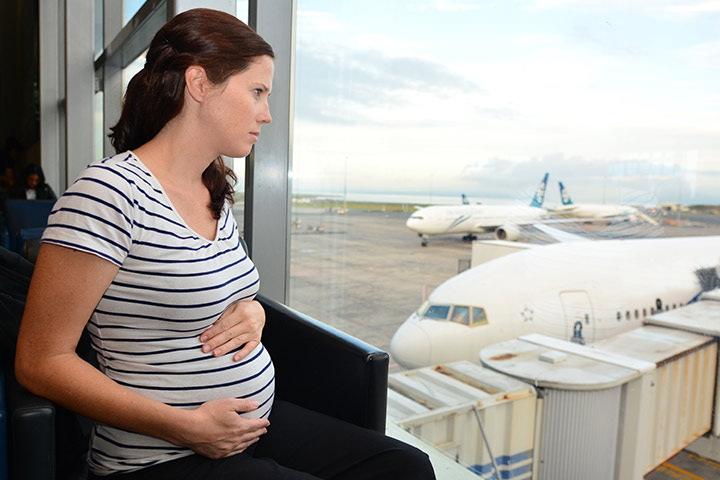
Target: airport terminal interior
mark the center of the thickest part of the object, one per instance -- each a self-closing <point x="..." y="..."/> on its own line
<point x="395" y="198"/>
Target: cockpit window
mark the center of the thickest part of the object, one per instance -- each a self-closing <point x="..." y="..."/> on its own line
<point x="461" y="314"/>
<point x="437" y="312"/>
<point x="478" y="316"/>
<point x="416" y="217"/>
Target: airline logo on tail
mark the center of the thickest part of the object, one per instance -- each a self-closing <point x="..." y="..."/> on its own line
<point x="564" y="195"/>
<point x="539" y="197"/>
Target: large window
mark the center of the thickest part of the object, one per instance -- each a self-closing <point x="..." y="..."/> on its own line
<point x="406" y="104"/>
<point x="401" y="105"/>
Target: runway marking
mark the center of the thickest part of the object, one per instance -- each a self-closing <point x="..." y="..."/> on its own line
<point x="680" y="470"/>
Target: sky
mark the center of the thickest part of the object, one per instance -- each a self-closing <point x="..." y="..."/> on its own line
<point x="618" y="99"/>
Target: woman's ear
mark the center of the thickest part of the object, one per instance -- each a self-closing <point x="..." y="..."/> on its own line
<point x="196" y="82"/>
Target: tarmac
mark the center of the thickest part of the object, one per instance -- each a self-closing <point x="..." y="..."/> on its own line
<point x="364" y="272"/>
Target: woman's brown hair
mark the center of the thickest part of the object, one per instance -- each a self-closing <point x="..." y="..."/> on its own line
<point x="214" y="40"/>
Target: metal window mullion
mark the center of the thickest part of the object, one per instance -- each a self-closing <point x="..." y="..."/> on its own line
<point x="52" y="93"/>
<point x="79" y="86"/>
<point x="267" y="180"/>
<point x="111" y="72"/>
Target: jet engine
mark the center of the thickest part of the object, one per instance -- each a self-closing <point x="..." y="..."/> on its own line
<point x="507" y="232"/>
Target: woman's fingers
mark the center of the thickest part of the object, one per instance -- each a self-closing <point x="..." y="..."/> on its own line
<point x="240" y="324"/>
<point x="249" y="347"/>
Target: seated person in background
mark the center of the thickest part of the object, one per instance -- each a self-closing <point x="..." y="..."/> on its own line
<point x="9" y="161"/>
<point x="32" y="186"/>
<point x="143" y="251"/>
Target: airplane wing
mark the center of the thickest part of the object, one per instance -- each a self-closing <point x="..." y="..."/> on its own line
<point x="558" y="234"/>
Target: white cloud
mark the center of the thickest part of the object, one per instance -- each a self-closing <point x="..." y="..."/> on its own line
<point x="319" y="22"/>
<point x="705" y="54"/>
<point x="691" y="9"/>
<point x="379" y="113"/>
<point x="447" y="5"/>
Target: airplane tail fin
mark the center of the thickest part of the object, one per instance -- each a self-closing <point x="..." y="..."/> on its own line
<point x="465" y="200"/>
<point x="564" y="195"/>
<point x="539" y="197"/>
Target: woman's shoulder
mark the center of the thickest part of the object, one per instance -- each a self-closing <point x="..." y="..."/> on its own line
<point x="123" y="165"/>
<point x="122" y="172"/>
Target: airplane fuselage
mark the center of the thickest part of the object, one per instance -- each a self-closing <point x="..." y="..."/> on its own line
<point x="595" y="210"/>
<point x="466" y="219"/>
<point x="587" y="290"/>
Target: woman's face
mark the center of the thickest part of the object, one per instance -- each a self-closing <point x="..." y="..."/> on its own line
<point x="32" y="180"/>
<point x="239" y="107"/>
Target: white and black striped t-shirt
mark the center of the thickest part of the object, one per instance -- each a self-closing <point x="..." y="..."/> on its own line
<point x="172" y="285"/>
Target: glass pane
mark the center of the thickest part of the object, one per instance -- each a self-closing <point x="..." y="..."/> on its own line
<point x="134" y="67"/>
<point x="478" y="316"/>
<point x="401" y="105"/>
<point x="461" y="315"/>
<point x="130" y="8"/>
<point x="437" y="312"/>
<point x="241" y="10"/>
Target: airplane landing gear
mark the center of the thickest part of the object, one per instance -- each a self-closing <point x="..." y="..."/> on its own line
<point x="423" y="240"/>
<point x="469" y="237"/>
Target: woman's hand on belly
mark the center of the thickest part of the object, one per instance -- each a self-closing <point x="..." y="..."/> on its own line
<point x="216" y="430"/>
<point x="241" y="323"/>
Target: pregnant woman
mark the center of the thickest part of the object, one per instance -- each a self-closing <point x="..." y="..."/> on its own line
<point x="143" y="251"/>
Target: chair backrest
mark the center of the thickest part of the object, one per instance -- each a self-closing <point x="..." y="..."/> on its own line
<point x="25" y="219"/>
<point x="27" y="213"/>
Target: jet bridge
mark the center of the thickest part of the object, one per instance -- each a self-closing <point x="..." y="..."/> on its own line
<point x="543" y="408"/>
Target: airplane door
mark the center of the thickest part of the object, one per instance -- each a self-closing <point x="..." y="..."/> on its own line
<point x="579" y="318"/>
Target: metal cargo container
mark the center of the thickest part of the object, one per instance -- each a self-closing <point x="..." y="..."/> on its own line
<point x="454" y="407"/>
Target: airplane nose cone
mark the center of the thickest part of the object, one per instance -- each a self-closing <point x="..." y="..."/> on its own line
<point x="410" y="346"/>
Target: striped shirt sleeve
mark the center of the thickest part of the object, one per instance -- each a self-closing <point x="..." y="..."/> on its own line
<point x="95" y="214"/>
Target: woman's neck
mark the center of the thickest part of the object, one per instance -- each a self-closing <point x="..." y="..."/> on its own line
<point x="175" y="157"/>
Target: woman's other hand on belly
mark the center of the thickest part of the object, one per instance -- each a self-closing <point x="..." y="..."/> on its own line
<point x="216" y="430"/>
<point x="240" y="324"/>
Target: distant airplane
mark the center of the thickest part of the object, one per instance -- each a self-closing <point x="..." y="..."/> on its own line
<point x="597" y="210"/>
<point x="582" y="291"/>
<point x="471" y="219"/>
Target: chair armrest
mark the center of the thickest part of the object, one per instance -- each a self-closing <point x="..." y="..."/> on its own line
<point x="31" y="433"/>
<point x="323" y="369"/>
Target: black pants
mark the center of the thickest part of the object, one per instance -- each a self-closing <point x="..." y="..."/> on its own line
<point x="303" y="445"/>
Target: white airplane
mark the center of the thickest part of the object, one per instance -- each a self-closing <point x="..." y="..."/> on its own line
<point x="471" y="219"/>
<point x="597" y="210"/>
<point x="582" y="291"/>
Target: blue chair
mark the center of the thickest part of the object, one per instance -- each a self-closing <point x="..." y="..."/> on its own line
<point x="25" y="220"/>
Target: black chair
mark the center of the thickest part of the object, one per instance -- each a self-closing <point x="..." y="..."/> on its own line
<point x="316" y="366"/>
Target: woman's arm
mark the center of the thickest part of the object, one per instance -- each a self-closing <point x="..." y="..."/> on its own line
<point x="65" y="289"/>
